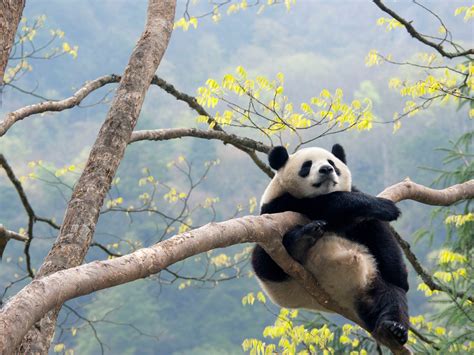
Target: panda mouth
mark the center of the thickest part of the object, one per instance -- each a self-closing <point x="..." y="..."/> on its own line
<point x="327" y="180"/>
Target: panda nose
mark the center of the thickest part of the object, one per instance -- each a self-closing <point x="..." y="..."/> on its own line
<point x="326" y="169"/>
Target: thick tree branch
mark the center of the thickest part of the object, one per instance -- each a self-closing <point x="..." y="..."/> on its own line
<point x="87" y="198"/>
<point x="49" y="292"/>
<point x="10" y="15"/>
<point x="415" y="34"/>
<point x="408" y="190"/>
<point x="48" y="106"/>
<point x="30" y="304"/>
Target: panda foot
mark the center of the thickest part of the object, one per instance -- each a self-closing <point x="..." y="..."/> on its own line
<point x="395" y="331"/>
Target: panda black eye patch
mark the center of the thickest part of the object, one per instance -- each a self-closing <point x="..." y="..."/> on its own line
<point x="305" y="168"/>
<point x="338" y="172"/>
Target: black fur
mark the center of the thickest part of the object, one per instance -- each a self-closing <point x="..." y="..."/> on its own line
<point x="339" y="153"/>
<point x="385" y="312"/>
<point x="336" y="169"/>
<point x="305" y="168"/>
<point x="278" y="157"/>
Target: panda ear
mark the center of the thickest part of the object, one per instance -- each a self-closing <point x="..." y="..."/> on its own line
<point x="339" y="153"/>
<point x="277" y="157"/>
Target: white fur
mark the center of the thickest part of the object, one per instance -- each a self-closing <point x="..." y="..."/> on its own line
<point x="343" y="268"/>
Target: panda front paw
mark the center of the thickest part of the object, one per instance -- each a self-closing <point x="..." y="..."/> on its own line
<point x="300" y="239"/>
<point x="314" y="228"/>
<point x="386" y="210"/>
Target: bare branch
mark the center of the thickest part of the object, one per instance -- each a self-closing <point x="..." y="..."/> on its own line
<point x="415" y="34"/>
<point x="47" y="106"/>
<point x="105" y="249"/>
<point x="17" y="184"/>
<point x="28" y="209"/>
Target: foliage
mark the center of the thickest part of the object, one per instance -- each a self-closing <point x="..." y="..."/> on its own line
<point x="35" y="41"/>
<point x="230" y="7"/>
<point x="297" y="335"/>
<point x="259" y="103"/>
<point x="433" y="79"/>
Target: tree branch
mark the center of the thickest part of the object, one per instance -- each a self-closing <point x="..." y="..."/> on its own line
<point x="46" y="293"/>
<point x="415" y="34"/>
<point x="28" y="209"/>
<point x="173" y="133"/>
<point x="47" y="106"/>
<point x="192" y="103"/>
<point x="425" y="276"/>
<point x="408" y="190"/>
<point x="8" y="234"/>
<point x="190" y="100"/>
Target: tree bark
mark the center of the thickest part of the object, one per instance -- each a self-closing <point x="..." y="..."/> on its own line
<point x="83" y="209"/>
<point x="49" y="292"/>
<point x="10" y="15"/>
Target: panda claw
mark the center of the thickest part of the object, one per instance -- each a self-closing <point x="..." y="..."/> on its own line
<point x="397" y="331"/>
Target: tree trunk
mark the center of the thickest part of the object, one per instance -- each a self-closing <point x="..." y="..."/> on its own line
<point x="88" y="196"/>
<point x="10" y="15"/>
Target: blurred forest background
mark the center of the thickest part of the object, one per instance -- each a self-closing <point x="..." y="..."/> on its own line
<point x="317" y="45"/>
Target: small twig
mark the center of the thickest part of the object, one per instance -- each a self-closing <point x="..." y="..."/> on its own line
<point x="105" y="249"/>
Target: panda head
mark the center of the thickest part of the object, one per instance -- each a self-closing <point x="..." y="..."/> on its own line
<point x="309" y="172"/>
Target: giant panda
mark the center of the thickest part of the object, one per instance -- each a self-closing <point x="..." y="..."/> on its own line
<point x="348" y="246"/>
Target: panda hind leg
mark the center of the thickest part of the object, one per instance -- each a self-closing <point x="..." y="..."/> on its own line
<point x="300" y="239"/>
<point x="385" y="312"/>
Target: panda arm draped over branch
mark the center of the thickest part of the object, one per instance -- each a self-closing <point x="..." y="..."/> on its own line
<point x="349" y="245"/>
